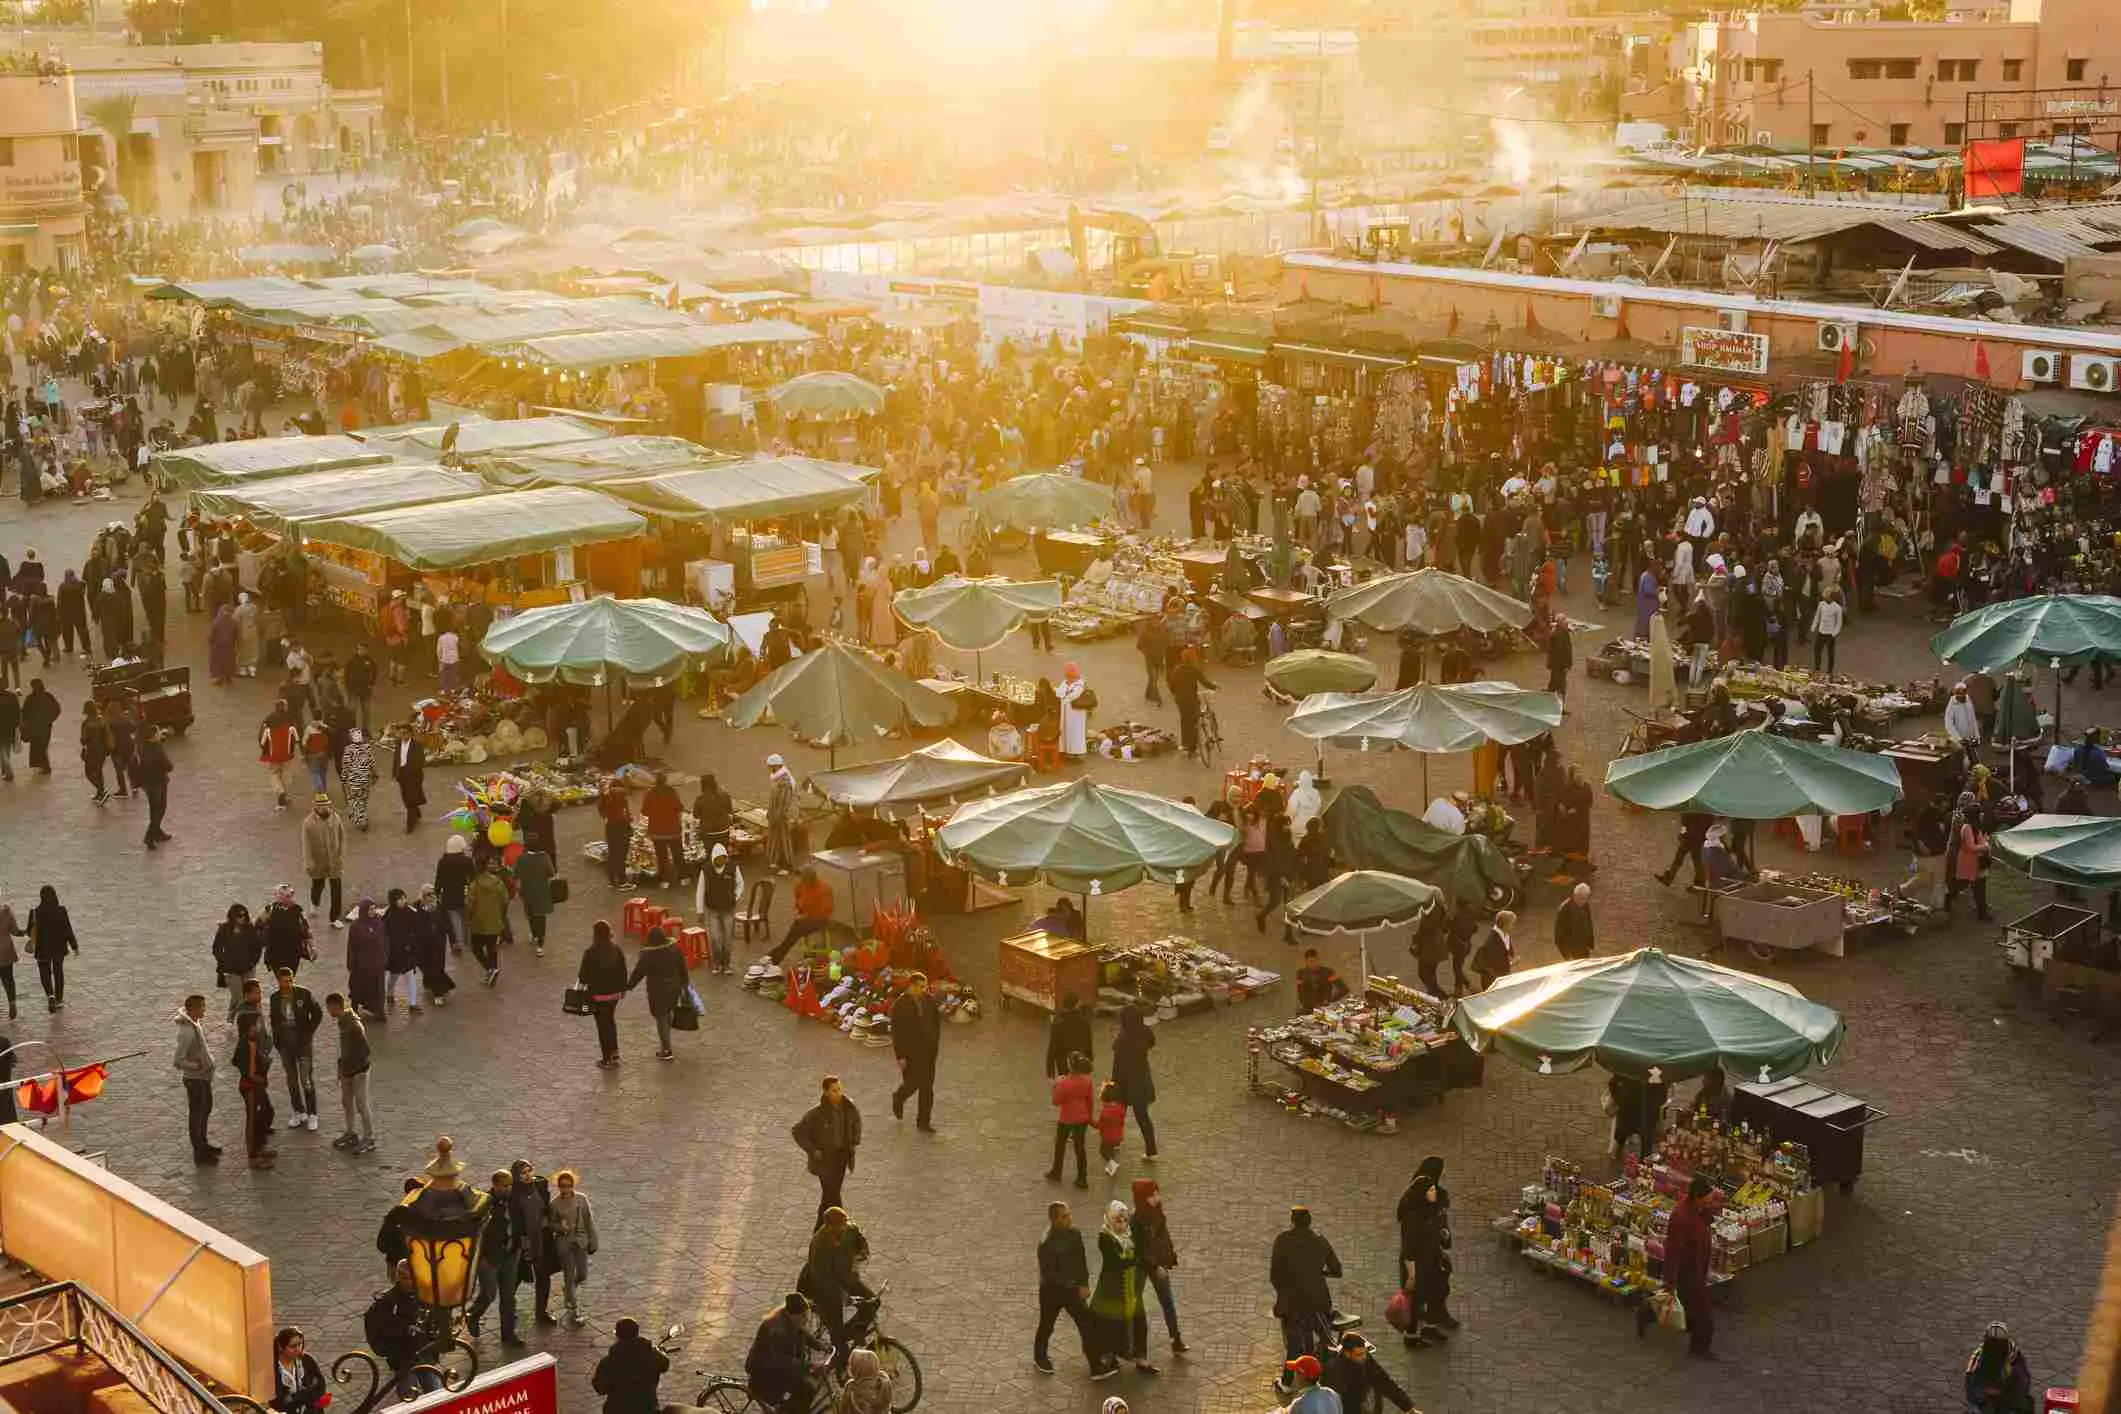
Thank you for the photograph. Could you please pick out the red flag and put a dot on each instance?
(1995, 168)
(1451, 325)
(1531, 320)
(1980, 360)
(38, 1096)
(1847, 363)
(84, 1083)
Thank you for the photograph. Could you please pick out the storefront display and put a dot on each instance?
(1367, 1057)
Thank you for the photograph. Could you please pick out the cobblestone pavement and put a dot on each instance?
(1986, 1195)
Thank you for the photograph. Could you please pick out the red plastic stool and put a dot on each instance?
(692, 942)
(1041, 751)
(630, 917)
(1851, 832)
(2058, 1400)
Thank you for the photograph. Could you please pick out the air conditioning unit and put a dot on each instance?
(1605, 306)
(2098, 375)
(1834, 338)
(1731, 321)
(1764, 138)
(2040, 366)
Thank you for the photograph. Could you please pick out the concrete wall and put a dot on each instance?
(41, 210)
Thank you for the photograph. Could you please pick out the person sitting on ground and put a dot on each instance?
(2089, 762)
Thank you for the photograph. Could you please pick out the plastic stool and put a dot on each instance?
(1851, 832)
(630, 917)
(692, 942)
(1042, 752)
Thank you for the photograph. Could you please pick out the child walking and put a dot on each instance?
(1111, 1127)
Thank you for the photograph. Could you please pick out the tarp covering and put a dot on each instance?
(512, 434)
(1364, 834)
(1430, 717)
(1650, 1010)
(605, 459)
(224, 463)
(483, 529)
(420, 344)
(604, 348)
(749, 490)
(283, 501)
(1756, 776)
(1360, 900)
(946, 770)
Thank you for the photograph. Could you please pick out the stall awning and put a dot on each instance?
(513, 434)
(605, 348)
(1233, 350)
(1345, 358)
(606, 459)
(482, 530)
(289, 501)
(224, 463)
(419, 345)
(752, 490)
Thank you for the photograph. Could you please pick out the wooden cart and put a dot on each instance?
(1040, 968)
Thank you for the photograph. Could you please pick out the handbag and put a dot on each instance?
(575, 1001)
(686, 1015)
(560, 890)
(1399, 1311)
(1086, 701)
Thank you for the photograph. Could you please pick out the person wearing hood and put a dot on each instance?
(1305, 803)
(1425, 1255)
(40, 713)
(357, 774)
(1998, 1379)
(534, 875)
(1116, 1301)
(1131, 1073)
(602, 974)
(454, 872)
(432, 935)
(367, 960)
(195, 1063)
(250, 635)
(662, 967)
(782, 815)
(1152, 1240)
(1961, 723)
(868, 1388)
(238, 945)
(720, 887)
(51, 938)
(1075, 711)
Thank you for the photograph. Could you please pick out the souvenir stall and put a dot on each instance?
(511, 550)
(852, 989)
(1167, 977)
(1366, 1058)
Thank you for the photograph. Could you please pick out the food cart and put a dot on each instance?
(1039, 968)
(2055, 930)
(1069, 552)
(1773, 915)
(159, 697)
(1829, 1124)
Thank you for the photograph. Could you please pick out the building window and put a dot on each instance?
(1901, 68)
(1771, 71)
(2013, 70)
(2006, 130)
(7, 152)
(1957, 70)
(1954, 134)
(70, 147)
(1820, 133)
(1896, 134)
(2074, 70)
(1866, 68)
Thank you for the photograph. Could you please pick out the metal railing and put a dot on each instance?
(64, 1316)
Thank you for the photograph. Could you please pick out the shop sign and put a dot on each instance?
(2082, 107)
(1723, 350)
(937, 289)
(523, 1387)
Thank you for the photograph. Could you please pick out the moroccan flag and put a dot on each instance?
(1980, 360)
(1846, 366)
(1995, 168)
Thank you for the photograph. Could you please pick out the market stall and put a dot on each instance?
(974, 615)
(2062, 943)
(838, 696)
(281, 505)
(941, 773)
(227, 463)
(590, 463)
(1366, 1058)
(1429, 718)
(1756, 776)
(513, 550)
(1168, 978)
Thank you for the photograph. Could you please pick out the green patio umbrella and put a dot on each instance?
(1047, 501)
(2065, 849)
(1310, 670)
(2057, 630)
(1651, 1016)
(827, 397)
(1431, 602)
(645, 642)
(1756, 776)
(944, 770)
(1082, 838)
(1434, 719)
(1361, 901)
(973, 615)
(835, 696)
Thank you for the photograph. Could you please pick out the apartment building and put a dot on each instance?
(42, 214)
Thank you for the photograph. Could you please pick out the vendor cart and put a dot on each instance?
(2055, 930)
(1773, 916)
(1069, 552)
(1830, 1125)
(159, 697)
(1040, 968)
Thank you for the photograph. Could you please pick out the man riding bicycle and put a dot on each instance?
(778, 1367)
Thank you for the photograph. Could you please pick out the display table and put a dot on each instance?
(1774, 914)
(1040, 968)
(1829, 1124)
(863, 882)
(1201, 567)
(1367, 1057)
(1923, 766)
(976, 703)
(1069, 552)
(1282, 604)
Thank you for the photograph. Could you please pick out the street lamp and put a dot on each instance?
(442, 1245)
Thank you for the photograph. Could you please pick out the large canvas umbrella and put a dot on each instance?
(1082, 838)
(1756, 776)
(1651, 1016)
(974, 615)
(2059, 629)
(834, 697)
(1361, 901)
(2065, 849)
(1047, 501)
(647, 642)
(1432, 718)
(1309, 670)
(827, 397)
(944, 770)
(1430, 602)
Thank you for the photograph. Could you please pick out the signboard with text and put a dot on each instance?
(1723, 350)
(529, 1386)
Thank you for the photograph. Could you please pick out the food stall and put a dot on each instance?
(1367, 1057)
(1069, 552)
(1169, 977)
(1828, 1124)
(281, 504)
(513, 550)
(1039, 968)
(262, 459)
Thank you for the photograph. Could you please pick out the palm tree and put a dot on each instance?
(113, 113)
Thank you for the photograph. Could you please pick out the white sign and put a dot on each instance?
(1724, 350)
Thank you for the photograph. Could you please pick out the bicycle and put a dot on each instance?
(731, 1394)
(1207, 732)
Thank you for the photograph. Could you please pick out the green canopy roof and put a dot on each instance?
(827, 396)
(1428, 601)
(746, 490)
(604, 348)
(1430, 717)
(2065, 849)
(944, 770)
(836, 696)
(1650, 1011)
(2074, 628)
(647, 642)
(484, 435)
(973, 615)
(286, 501)
(1047, 501)
(1755, 775)
(605, 459)
(225, 463)
(1364, 834)
(1083, 838)
(481, 530)
(1309, 670)
(1360, 900)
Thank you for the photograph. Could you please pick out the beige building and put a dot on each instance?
(42, 214)
(1834, 79)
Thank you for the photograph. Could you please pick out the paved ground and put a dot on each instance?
(1986, 1195)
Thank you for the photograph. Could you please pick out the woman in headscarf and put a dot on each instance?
(868, 1388)
(357, 772)
(883, 623)
(1116, 1301)
(1074, 718)
(1998, 1381)
(923, 567)
(1130, 1070)
(1425, 1255)
(1646, 597)
(1305, 803)
(248, 637)
(221, 647)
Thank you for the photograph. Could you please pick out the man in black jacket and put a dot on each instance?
(408, 767)
(1302, 1260)
(828, 1134)
(40, 712)
(151, 770)
(1354, 1376)
(916, 1037)
(629, 1373)
(1068, 1037)
(497, 1260)
(1064, 1285)
(295, 1017)
(1575, 935)
(777, 1368)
